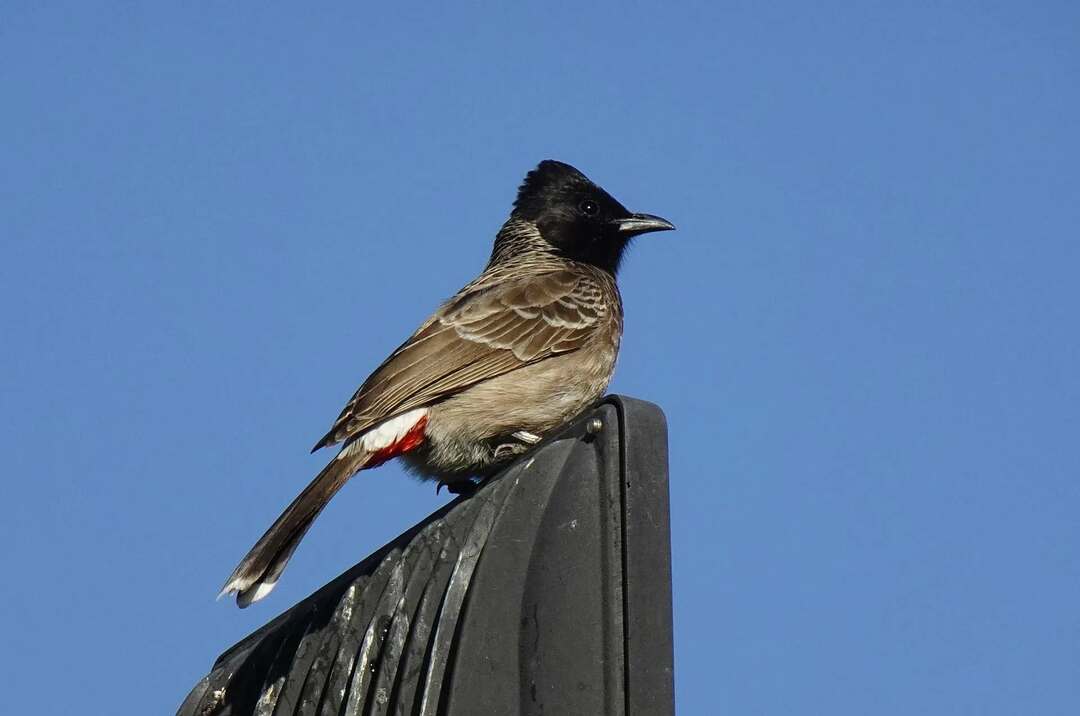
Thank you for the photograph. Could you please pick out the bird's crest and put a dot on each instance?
(549, 179)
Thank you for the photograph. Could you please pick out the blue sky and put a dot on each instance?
(864, 333)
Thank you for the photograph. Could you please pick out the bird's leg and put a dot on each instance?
(524, 439)
(508, 450)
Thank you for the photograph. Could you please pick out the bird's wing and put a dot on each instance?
(476, 336)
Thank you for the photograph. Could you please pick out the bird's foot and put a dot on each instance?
(457, 487)
(509, 450)
(525, 440)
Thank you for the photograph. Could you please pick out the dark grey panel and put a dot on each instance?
(548, 591)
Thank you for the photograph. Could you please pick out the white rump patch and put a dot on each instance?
(385, 433)
(389, 432)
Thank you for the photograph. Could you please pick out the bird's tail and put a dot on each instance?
(259, 570)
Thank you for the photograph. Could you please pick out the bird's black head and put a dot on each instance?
(579, 219)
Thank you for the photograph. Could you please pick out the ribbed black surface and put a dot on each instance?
(512, 601)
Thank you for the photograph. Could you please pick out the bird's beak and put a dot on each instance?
(641, 224)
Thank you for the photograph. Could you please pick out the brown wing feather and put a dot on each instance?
(478, 335)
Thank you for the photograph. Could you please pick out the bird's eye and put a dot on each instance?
(588, 207)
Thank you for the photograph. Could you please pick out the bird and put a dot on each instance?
(524, 347)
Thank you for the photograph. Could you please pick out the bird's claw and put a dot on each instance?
(457, 487)
(507, 450)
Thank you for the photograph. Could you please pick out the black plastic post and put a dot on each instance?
(546, 592)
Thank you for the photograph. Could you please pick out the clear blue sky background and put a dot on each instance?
(864, 333)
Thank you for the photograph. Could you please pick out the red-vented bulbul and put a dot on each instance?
(525, 346)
